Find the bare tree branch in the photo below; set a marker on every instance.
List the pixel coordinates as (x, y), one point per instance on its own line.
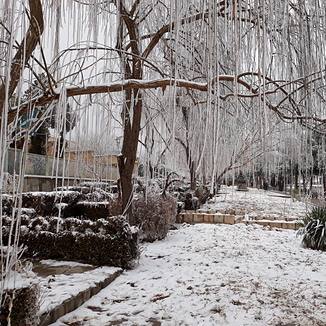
(162, 83)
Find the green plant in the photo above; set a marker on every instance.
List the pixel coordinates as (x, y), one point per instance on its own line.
(313, 229)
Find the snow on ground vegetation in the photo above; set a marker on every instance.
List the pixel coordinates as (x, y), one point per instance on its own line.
(219, 274)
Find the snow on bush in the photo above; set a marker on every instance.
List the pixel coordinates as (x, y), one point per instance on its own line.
(78, 201)
(313, 229)
(7, 204)
(110, 242)
(46, 203)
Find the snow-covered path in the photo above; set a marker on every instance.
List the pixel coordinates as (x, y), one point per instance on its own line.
(215, 275)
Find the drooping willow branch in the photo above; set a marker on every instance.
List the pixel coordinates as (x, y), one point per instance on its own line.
(129, 84)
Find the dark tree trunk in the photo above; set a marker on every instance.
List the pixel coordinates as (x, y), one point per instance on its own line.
(132, 110)
(193, 181)
(24, 52)
(296, 177)
(127, 158)
(304, 183)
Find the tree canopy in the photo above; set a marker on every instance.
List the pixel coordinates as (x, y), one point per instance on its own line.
(227, 67)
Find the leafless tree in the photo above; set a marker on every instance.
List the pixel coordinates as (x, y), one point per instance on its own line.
(266, 53)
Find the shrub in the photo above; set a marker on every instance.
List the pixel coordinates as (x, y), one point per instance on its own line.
(115, 206)
(47, 203)
(7, 204)
(88, 203)
(153, 215)
(110, 241)
(313, 229)
(24, 304)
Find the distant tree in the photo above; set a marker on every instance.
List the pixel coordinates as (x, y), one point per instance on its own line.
(38, 141)
(267, 54)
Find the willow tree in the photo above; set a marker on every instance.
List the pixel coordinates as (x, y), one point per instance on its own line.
(225, 53)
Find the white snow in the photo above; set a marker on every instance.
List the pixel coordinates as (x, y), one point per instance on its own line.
(219, 274)
(53, 263)
(260, 203)
(57, 288)
(18, 280)
(90, 203)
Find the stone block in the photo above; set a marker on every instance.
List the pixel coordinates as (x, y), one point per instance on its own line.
(230, 212)
(202, 211)
(208, 218)
(198, 218)
(261, 222)
(218, 218)
(188, 218)
(229, 219)
(289, 225)
(292, 219)
(182, 217)
(279, 218)
(58, 312)
(269, 218)
(274, 224)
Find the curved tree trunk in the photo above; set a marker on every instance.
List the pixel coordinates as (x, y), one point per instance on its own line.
(24, 52)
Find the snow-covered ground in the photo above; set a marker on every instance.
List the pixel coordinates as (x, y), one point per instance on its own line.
(57, 288)
(256, 204)
(220, 274)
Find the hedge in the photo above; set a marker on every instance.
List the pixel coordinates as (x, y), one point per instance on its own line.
(110, 242)
(24, 304)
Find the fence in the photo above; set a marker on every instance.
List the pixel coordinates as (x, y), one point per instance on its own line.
(41, 173)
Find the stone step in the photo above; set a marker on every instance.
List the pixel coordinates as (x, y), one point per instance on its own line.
(200, 217)
(274, 224)
(76, 301)
(241, 214)
(205, 218)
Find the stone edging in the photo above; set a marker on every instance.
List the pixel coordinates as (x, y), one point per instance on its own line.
(193, 217)
(76, 301)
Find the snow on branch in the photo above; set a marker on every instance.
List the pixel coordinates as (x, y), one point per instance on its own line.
(113, 87)
(129, 84)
